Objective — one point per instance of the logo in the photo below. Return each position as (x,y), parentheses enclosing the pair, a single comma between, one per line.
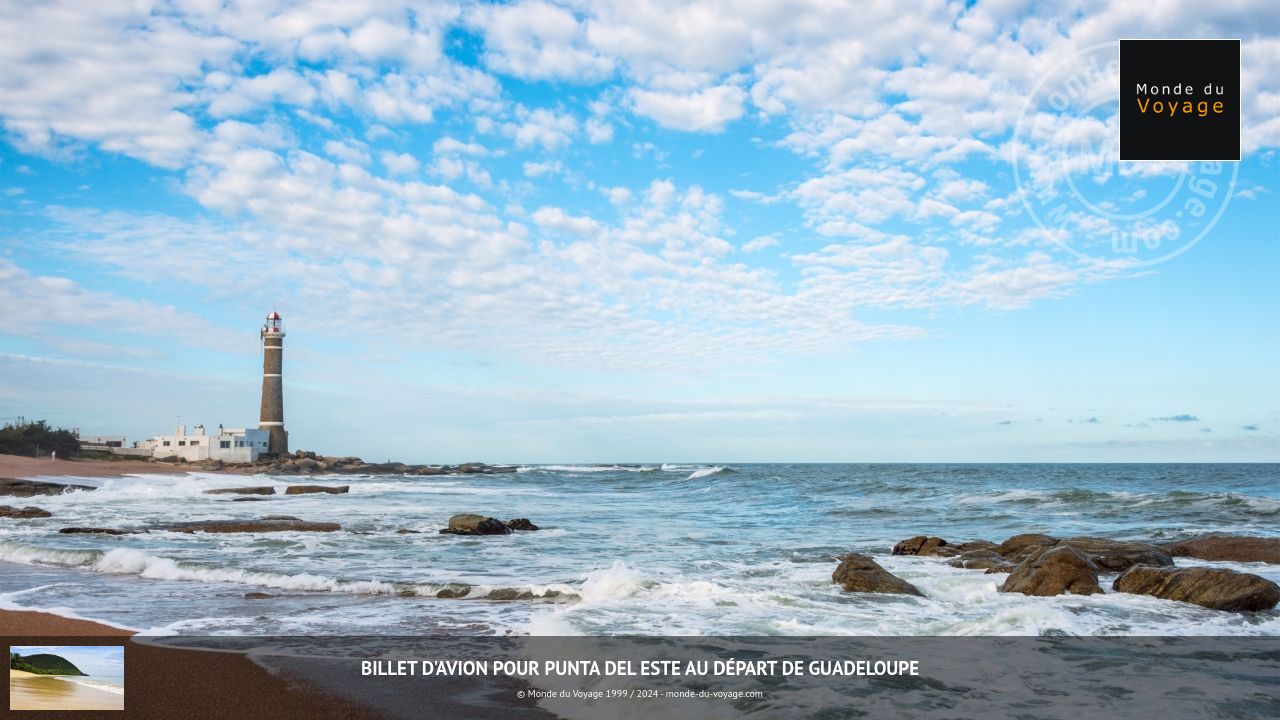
(1083,196)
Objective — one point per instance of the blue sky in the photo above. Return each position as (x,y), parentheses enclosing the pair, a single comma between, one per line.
(91,659)
(641,231)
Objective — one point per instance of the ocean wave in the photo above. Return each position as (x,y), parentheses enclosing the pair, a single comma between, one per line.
(709,471)
(127,561)
(592,468)
(98,685)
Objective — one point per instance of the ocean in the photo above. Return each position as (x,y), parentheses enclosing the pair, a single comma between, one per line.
(662,549)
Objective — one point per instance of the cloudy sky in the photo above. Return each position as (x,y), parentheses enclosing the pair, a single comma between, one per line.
(632,231)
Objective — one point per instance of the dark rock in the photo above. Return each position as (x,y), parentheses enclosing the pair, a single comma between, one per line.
(472,524)
(23,513)
(309,489)
(257,596)
(1233,548)
(428,470)
(248,499)
(406,531)
(272,523)
(1119,555)
(254,490)
(982,560)
(975,545)
(521,524)
(30,488)
(1054,571)
(94,530)
(453,592)
(859,573)
(1214,588)
(509,594)
(1019,547)
(923,545)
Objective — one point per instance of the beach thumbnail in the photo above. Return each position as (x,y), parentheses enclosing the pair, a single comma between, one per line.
(66,677)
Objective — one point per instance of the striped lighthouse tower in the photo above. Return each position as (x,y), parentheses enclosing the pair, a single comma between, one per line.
(272,416)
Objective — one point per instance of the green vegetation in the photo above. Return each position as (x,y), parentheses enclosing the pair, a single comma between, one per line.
(38,438)
(43,664)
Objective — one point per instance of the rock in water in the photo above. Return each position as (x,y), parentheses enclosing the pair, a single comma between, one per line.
(94,531)
(29,488)
(521,524)
(308,489)
(1119,555)
(1021,546)
(258,490)
(271,523)
(1235,548)
(24,513)
(982,560)
(472,524)
(1052,572)
(859,573)
(924,545)
(1214,588)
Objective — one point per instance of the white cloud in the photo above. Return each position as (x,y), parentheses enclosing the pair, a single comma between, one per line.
(538,40)
(56,304)
(399,163)
(543,127)
(707,110)
(347,152)
(760,243)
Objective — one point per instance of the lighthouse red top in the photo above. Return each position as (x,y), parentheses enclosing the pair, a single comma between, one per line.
(272,326)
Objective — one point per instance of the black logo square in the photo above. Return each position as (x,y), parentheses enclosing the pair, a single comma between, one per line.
(1179,99)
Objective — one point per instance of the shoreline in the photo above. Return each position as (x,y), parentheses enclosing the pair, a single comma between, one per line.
(19,467)
(165,682)
(31,691)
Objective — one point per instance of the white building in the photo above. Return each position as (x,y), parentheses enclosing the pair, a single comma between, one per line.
(239,445)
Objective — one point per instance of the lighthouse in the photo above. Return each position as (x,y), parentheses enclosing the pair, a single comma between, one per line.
(272,416)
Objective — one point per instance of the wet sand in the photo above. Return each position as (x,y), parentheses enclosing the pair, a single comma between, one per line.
(168,683)
(17,466)
(28,691)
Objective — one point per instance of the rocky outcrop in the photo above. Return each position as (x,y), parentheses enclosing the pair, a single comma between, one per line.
(982,560)
(255,490)
(473,524)
(1019,547)
(270,523)
(1053,571)
(1119,555)
(305,462)
(23,513)
(1107,555)
(931,546)
(94,531)
(859,573)
(311,489)
(1213,588)
(31,488)
(924,545)
(1232,548)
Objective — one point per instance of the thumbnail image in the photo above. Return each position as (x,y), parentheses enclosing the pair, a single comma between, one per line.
(66,677)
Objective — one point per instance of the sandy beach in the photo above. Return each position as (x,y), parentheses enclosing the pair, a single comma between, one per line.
(17,466)
(169,683)
(28,691)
